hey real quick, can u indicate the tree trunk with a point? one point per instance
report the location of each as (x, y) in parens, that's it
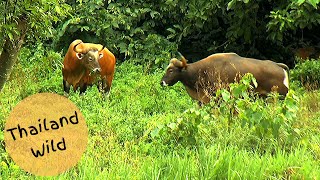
(11, 50)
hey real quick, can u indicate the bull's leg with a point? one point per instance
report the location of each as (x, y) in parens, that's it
(104, 86)
(100, 85)
(108, 82)
(66, 87)
(83, 88)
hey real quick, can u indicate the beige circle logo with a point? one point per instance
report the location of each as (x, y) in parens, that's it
(46, 134)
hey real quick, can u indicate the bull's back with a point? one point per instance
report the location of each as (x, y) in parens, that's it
(107, 62)
(229, 66)
(70, 61)
(269, 75)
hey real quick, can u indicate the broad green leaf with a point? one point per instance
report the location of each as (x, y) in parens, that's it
(58, 9)
(171, 30)
(158, 60)
(225, 95)
(153, 14)
(173, 126)
(237, 91)
(314, 3)
(155, 133)
(115, 24)
(206, 117)
(10, 35)
(231, 4)
(300, 2)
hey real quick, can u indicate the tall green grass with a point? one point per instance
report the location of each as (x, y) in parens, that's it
(132, 136)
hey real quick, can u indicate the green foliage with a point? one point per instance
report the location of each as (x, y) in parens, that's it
(267, 119)
(144, 131)
(220, 162)
(37, 74)
(41, 15)
(307, 73)
(295, 15)
(126, 28)
(153, 52)
(138, 29)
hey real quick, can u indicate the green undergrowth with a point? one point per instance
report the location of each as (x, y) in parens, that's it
(144, 131)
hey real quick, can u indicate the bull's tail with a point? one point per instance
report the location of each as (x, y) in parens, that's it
(285, 67)
(286, 74)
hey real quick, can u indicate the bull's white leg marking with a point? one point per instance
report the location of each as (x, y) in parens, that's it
(286, 79)
(65, 94)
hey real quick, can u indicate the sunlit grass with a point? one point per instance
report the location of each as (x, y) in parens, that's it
(119, 125)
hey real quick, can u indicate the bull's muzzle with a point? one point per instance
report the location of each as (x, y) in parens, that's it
(95, 71)
(163, 83)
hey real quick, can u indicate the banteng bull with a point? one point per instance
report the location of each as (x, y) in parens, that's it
(83, 62)
(225, 68)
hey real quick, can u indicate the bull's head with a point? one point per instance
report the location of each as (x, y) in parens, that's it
(174, 71)
(89, 55)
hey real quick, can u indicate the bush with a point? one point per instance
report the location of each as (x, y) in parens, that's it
(261, 29)
(235, 116)
(307, 73)
(154, 52)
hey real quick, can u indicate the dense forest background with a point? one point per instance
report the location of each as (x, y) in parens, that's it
(150, 31)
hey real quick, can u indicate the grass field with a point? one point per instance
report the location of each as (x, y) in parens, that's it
(144, 131)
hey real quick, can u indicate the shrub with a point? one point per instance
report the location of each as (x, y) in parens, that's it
(261, 29)
(234, 116)
(154, 52)
(307, 73)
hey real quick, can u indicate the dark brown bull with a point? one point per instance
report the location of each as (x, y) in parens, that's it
(83, 62)
(225, 68)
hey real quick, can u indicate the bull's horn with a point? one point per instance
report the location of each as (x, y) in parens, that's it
(183, 60)
(176, 62)
(76, 49)
(93, 46)
(102, 47)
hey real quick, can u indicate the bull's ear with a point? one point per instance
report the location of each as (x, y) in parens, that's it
(100, 55)
(79, 55)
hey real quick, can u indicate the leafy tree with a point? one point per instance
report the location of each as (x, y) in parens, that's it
(260, 29)
(25, 20)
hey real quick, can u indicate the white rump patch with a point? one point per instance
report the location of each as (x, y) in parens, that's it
(286, 79)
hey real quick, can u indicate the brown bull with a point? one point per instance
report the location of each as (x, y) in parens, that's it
(83, 62)
(225, 68)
